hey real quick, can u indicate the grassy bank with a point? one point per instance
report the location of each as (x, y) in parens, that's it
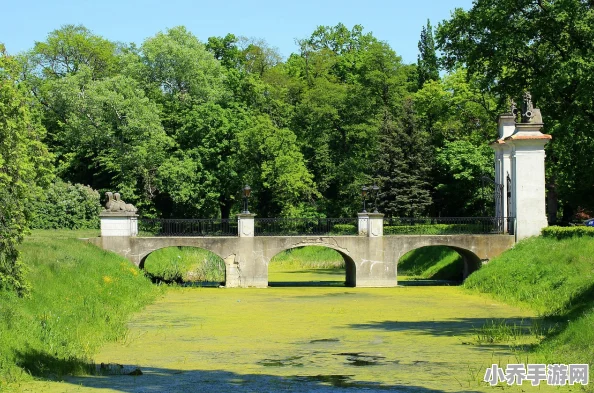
(81, 298)
(177, 265)
(434, 263)
(184, 264)
(310, 257)
(556, 279)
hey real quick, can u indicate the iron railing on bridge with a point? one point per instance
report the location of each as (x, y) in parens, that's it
(187, 227)
(305, 226)
(326, 226)
(448, 225)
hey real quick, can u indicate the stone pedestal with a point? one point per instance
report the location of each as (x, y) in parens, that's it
(118, 224)
(245, 224)
(371, 224)
(503, 162)
(363, 227)
(376, 225)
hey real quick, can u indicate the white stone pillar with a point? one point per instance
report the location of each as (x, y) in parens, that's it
(363, 224)
(376, 225)
(506, 126)
(245, 224)
(118, 224)
(528, 178)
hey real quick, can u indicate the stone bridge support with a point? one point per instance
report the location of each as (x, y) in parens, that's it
(369, 261)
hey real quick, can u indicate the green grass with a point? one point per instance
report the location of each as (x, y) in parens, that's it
(556, 279)
(310, 257)
(185, 264)
(434, 262)
(548, 275)
(311, 264)
(81, 298)
(176, 265)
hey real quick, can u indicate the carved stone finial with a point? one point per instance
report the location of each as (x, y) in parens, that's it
(513, 108)
(527, 108)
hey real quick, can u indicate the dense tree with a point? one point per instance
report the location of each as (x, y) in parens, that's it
(213, 98)
(178, 126)
(546, 47)
(459, 168)
(460, 121)
(24, 166)
(349, 80)
(427, 67)
(403, 165)
(69, 48)
(225, 50)
(110, 135)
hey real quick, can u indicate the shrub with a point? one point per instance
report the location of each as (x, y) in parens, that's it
(432, 229)
(567, 232)
(66, 206)
(344, 229)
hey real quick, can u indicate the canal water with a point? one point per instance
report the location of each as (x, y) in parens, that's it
(311, 338)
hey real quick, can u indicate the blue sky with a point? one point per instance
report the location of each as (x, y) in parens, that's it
(397, 22)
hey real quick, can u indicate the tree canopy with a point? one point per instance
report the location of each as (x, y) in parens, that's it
(178, 125)
(546, 47)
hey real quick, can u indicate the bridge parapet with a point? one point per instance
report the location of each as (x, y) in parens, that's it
(365, 225)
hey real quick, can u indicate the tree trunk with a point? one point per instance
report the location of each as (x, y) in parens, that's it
(226, 206)
(568, 213)
(552, 203)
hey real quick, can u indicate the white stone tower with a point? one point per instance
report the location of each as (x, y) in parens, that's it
(520, 155)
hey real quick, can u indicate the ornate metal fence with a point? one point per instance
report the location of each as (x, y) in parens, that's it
(447, 225)
(305, 226)
(326, 226)
(187, 227)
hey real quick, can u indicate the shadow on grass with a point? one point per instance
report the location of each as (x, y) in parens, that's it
(44, 365)
(335, 272)
(578, 306)
(421, 259)
(175, 380)
(453, 271)
(581, 303)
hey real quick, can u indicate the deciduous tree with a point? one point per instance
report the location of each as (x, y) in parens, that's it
(24, 166)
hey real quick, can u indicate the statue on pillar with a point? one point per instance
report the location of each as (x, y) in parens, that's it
(114, 204)
(528, 113)
(527, 108)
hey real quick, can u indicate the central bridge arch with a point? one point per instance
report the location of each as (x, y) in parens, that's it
(349, 264)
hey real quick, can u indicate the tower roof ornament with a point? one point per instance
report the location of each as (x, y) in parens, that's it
(528, 113)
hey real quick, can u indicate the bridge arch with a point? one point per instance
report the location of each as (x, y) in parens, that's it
(145, 255)
(349, 262)
(471, 261)
(202, 268)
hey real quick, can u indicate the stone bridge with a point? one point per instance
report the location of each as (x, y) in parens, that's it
(369, 261)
